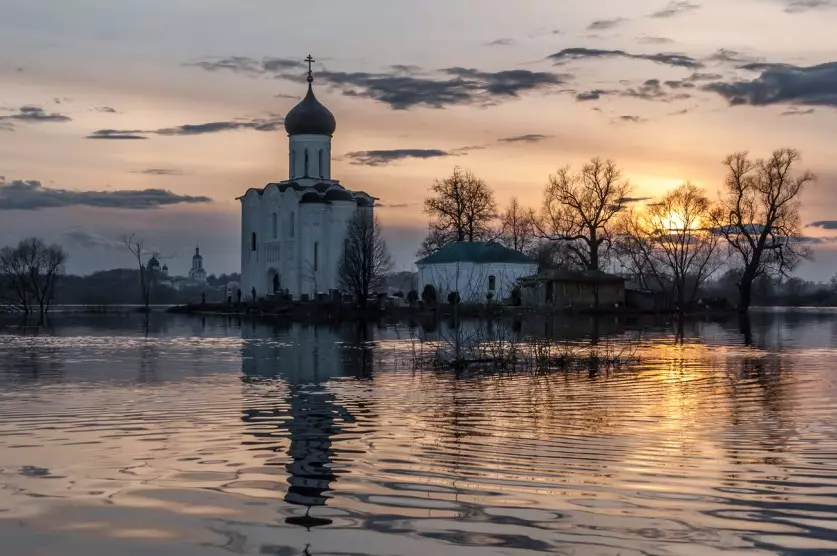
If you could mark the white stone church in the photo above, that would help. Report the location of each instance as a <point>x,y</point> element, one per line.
<point>292,231</point>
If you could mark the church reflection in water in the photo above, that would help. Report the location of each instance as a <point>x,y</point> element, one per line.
<point>307,417</point>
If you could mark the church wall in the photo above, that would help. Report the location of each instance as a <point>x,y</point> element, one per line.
<point>472,280</point>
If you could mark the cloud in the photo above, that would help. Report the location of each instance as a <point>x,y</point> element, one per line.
<point>654,40</point>
<point>824,224</point>
<point>797,112</point>
<point>800,6</point>
<point>691,81</point>
<point>594,94</point>
<point>31,195</point>
<point>271,123</point>
<point>30,114</point>
<point>728,56</point>
<point>675,8</point>
<point>604,24</point>
<point>530,138</point>
<point>629,119</point>
<point>159,172</point>
<point>665,58</point>
<point>105,109</point>
<point>629,200</point>
<point>395,205</point>
<point>502,42</point>
<point>248,66</point>
<point>783,84</point>
<point>384,157</point>
<point>89,240</point>
<point>116,134</point>
<point>406,87</point>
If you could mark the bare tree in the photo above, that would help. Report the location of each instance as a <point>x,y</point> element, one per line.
<point>759,216</point>
<point>517,227</point>
<point>461,207</point>
<point>136,246</point>
<point>435,240</point>
<point>579,209</point>
<point>674,244</point>
<point>365,260</point>
<point>30,272</point>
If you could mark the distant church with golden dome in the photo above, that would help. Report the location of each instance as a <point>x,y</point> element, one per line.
<point>293,231</point>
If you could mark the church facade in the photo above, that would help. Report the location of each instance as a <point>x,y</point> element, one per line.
<point>293,231</point>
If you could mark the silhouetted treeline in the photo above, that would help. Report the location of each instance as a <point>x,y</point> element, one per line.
<point>119,287</point>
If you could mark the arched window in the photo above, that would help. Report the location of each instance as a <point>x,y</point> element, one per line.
<point>316,256</point>
<point>320,161</point>
<point>492,283</point>
<point>274,224</point>
<point>306,162</point>
<point>291,231</point>
<point>253,241</point>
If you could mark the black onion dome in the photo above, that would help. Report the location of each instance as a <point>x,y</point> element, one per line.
<point>310,117</point>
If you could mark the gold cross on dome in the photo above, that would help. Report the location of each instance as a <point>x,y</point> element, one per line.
<point>310,61</point>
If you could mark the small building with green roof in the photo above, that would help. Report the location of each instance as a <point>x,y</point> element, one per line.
<point>477,271</point>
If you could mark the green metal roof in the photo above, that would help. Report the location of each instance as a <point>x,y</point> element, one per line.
<point>475,252</point>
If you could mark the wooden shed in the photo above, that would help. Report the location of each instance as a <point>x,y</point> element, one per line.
<point>573,289</point>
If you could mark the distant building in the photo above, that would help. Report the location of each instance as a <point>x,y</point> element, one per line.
<point>475,270</point>
<point>197,272</point>
<point>293,231</point>
<point>573,289</point>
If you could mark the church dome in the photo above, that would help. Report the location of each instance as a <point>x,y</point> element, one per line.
<point>153,262</point>
<point>310,117</point>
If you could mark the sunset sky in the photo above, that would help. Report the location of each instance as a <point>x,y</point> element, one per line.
<point>105,102</point>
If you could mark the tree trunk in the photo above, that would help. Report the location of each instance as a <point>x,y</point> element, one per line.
<point>745,295</point>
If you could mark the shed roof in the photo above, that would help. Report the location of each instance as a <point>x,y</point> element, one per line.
<point>475,252</point>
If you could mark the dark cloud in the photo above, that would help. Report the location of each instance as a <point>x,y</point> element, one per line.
<point>783,84</point>
<point>651,89</point>
<point>691,81</point>
<point>629,119</point>
<point>728,56</point>
<point>89,240</point>
<point>799,6</point>
<point>666,58</point>
<point>31,195</point>
<point>384,157</point>
<point>530,138</point>
<point>271,123</point>
<point>404,87</point>
<point>31,115</point>
<point>502,42</point>
<point>159,172</point>
<point>594,94</point>
<point>824,224</point>
<point>106,109</point>
<point>629,200</point>
<point>262,124</point>
<point>395,205</point>
<point>604,24</point>
<point>798,112</point>
<point>675,8</point>
<point>248,66</point>
<point>654,40</point>
<point>116,134</point>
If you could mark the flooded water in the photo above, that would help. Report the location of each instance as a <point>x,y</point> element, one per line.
<point>211,437</point>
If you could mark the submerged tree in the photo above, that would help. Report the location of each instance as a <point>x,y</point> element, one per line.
<point>29,273</point>
<point>579,210</point>
<point>461,207</point>
<point>672,243</point>
<point>136,246</point>
<point>365,260</point>
<point>517,227</point>
<point>759,216</point>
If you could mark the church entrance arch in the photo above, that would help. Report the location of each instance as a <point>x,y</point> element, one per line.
<point>274,282</point>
